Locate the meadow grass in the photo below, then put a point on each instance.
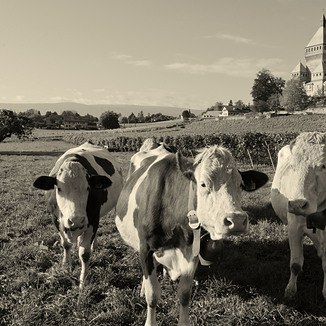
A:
(245, 288)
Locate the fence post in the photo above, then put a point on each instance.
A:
(252, 164)
(270, 156)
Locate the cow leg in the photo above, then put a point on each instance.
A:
(66, 261)
(153, 295)
(94, 243)
(296, 233)
(319, 240)
(142, 290)
(184, 294)
(84, 254)
(150, 285)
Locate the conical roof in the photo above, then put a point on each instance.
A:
(299, 68)
(320, 68)
(319, 37)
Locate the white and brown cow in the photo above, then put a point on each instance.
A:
(298, 196)
(153, 214)
(84, 185)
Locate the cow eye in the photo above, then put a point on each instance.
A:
(323, 167)
(59, 189)
(203, 185)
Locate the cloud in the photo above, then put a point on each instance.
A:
(230, 37)
(128, 59)
(59, 99)
(229, 66)
(139, 63)
(19, 98)
(98, 90)
(121, 56)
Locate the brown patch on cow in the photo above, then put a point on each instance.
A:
(85, 256)
(156, 197)
(185, 166)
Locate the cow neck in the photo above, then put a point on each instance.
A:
(193, 219)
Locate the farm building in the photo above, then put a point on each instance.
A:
(223, 112)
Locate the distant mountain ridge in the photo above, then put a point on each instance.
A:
(95, 109)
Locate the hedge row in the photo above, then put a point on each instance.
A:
(252, 148)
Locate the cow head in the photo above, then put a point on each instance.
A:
(304, 174)
(218, 191)
(72, 186)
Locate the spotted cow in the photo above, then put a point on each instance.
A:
(166, 202)
(84, 185)
(298, 196)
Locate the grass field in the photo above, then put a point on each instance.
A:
(280, 124)
(246, 288)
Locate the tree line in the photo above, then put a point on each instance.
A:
(269, 93)
(112, 120)
(272, 93)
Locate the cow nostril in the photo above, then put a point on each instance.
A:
(70, 222)
(227, 222)
(304, 205)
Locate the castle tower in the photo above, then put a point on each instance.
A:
(315, 56)
(301, 72)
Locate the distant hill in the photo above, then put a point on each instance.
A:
(96, 109)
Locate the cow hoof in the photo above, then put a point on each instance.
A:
(290, 294)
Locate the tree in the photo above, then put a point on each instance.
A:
(13, 124)
(132, 118)
(260, 106)
(140, 117)
(123, 120)
(274, 102)
(294, 96)
(265, 85)
(109, 120)
(186, 114)
(239, 105)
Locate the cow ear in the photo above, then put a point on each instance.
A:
(45, 183)
(253, 180)
(186, 167)
(99, 182)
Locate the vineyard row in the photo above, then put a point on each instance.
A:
(252, 148)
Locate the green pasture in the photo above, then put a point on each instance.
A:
(245, 288)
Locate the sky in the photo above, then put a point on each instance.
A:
(184, 53)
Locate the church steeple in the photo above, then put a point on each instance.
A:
(320, 37)
(322, 21)
(313, 74)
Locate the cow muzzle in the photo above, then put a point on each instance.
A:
(299, 207)
(75, 223)
(236, 223)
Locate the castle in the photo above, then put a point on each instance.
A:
(313, 74)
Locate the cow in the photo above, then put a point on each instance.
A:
(149, 148)
(83, 186)
(298, 197)
(167, 201)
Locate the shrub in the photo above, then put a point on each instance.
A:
(258, 147)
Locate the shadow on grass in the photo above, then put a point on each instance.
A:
(262, 268)
(263, 212)
(31, 153)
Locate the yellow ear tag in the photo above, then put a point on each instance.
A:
(193, 219)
